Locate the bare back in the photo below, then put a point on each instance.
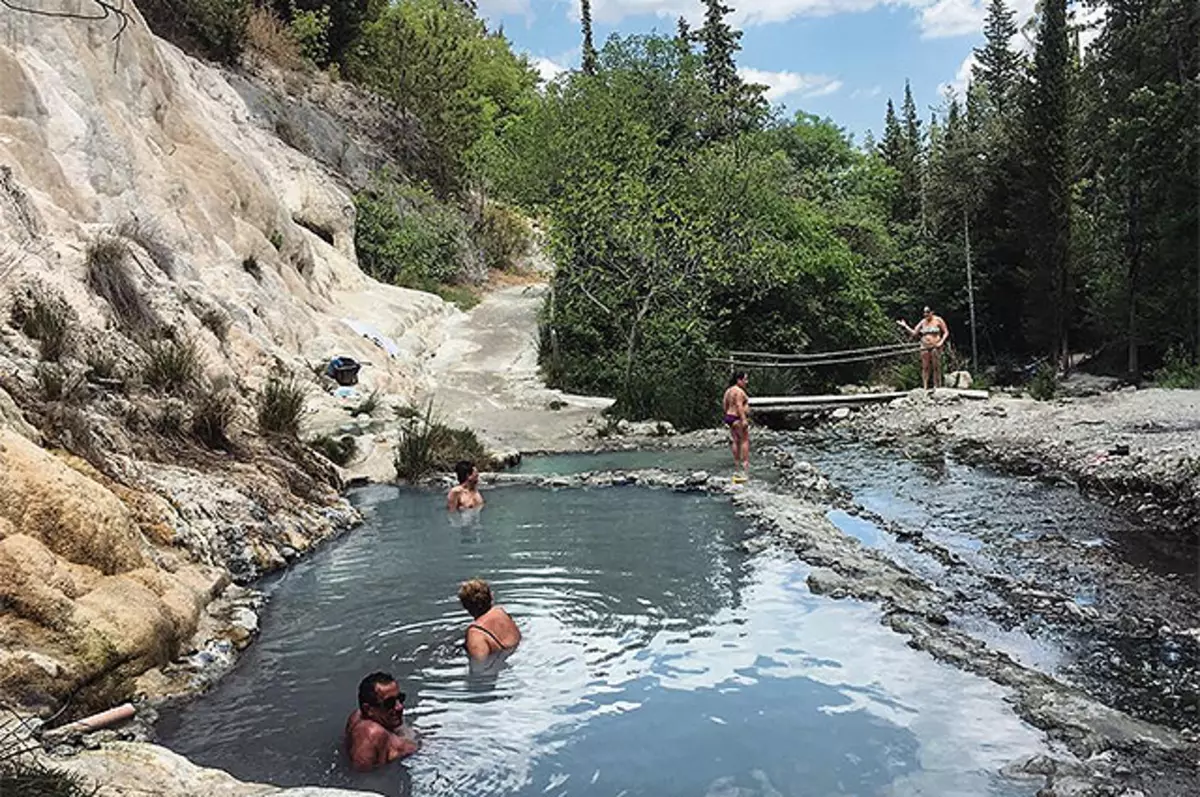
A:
(735, 401)
(492, 632)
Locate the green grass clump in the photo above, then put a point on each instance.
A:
(281, 407)
(427, 446)
(174, 366)
(213, 414)
(148, 235)
(24, 777)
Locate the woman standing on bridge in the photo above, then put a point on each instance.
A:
(933, 332)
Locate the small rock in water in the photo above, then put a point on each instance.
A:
(697, 479)
(840, 414)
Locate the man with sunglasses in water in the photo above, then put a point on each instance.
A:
(375, 733)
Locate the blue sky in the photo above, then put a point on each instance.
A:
(835, 58)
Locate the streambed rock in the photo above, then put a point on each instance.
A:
(123, 769)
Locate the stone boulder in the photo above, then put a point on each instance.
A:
(122, 769)
(89, 601)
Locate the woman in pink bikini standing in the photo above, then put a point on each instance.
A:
(736, 406)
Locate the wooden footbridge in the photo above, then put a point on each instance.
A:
(821, 403)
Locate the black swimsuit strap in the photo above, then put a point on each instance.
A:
(489, 633)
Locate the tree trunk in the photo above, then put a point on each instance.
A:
(1133, 257)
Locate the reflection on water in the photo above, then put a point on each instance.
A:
(656, 660)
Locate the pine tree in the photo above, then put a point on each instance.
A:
(892, 147)
(683, 37)
(997, 66)
(911, 200)
(721, 42)
(589, 50)
(736, 106)
(1048, 194)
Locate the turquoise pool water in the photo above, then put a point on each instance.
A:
(658, 660)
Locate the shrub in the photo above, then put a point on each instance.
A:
(174, 366)
(1177, 370)
(406, 237)
(281, 407)
(1044, 384)
(504, 236)
(276, 239)
(310, 28)
(464, 297)
(108, 275)
(270, 36)
(213, 414)
(47, 318)
(338, 450)
(149, 236)
(170, 419)
(427, 445)
(102, 365)
(213, 29)
(58, 384)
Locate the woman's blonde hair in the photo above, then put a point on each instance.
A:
(475, 596)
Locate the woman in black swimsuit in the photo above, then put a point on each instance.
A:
(493, 630)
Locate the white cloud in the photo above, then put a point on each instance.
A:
(547, 69)
(785, 84)
(949, 18)
(866, 94)
(961, 78)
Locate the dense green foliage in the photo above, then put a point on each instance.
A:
(687, 219)
(406, 237)
(1073, 175)
(673, 245)
(462, 83)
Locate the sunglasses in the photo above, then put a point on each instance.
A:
(389, 703)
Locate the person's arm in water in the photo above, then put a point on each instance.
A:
(452, 500)
(401, 744)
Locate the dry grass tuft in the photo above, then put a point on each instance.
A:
(270, 36)
(108, 275)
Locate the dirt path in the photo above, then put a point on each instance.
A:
(485, 376)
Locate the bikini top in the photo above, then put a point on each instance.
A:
(489, 633)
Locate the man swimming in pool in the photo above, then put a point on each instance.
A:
(465, 495)
(375, 733)
(736, 406)
(492, 630)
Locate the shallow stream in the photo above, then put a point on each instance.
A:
(658, 660)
